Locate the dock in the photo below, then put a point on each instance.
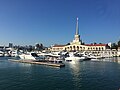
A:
(40, 63)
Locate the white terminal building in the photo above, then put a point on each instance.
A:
(76, 45)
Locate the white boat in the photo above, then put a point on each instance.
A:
(6, 54)
(1, 53)
(54, 59)
(13, 53)
(95, 57)
(30, 56)
(51, 57)
(72, 57)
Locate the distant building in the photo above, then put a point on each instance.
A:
(10, 45)
(58, 48)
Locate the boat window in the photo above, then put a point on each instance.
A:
(34, 55)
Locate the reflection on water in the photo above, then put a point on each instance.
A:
(75, 66)
(75, 70)
(95, 75)
(116, 59)
(113, 59)
(25, 65)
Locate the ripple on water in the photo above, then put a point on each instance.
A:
(81, 76)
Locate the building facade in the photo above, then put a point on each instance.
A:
(76, 45)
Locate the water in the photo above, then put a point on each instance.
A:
(86, 75)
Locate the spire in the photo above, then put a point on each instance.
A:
(77, 29)
(77, 36)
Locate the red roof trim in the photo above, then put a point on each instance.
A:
(95, 44)
(59, 45)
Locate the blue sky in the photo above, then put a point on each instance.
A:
(26, 22)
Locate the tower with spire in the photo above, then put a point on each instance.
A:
(77, 36)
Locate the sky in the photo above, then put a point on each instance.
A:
(26, 22)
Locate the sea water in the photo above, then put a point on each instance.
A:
(86, 75)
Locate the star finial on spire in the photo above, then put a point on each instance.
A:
(77, 31)
(77, 18)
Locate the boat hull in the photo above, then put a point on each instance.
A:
(74, 59)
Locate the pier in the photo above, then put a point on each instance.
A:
(40, 63)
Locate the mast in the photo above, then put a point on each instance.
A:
(77, 28)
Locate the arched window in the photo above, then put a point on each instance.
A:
(96, 48)
(88, 48)
(99, 49)
(71, 48)
(80, 48)
(84, 48)
(102, 48)
(77, 47)
(65, 49)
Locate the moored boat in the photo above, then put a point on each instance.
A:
(72, 57)
(30, 56)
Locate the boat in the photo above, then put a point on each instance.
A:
(1, 53)
(34, 56)
(6, 54)
(72, 57)
(52, 57)
(30, 56)
(95, 57)
(13, 53)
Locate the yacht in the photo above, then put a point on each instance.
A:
(95, 57)
(52, 57)
(72, 57)
(6, 54)
(13, 53)
(30, 56)
(1, 53)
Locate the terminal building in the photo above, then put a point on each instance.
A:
(76, 45)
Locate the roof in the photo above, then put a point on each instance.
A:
(59, 45)
(95, 44)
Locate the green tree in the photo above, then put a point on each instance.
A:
(37, 46)
(95, 43)
(83, 43)
(68, 44)
(119, 43)
(41, 47)
(114, 46)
